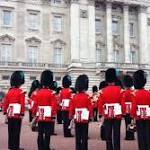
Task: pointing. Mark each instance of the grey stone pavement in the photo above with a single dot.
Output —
(28, 138)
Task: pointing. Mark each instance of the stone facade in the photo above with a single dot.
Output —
(73, 37)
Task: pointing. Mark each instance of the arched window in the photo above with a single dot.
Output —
(6, 46)
(33, 45)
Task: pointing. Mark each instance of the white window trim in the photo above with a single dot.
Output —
(33, 12)
(28, 47)
(12, 17)
(62, 23)
(132, 36)
(98, 18)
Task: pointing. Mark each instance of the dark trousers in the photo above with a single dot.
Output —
(44, 132)
(59, 116)
(143, 133)
(81, 131)
(95, 111)
(66, 123)
(129, 135)
(14, 127)
(112, 131)
(30, 116)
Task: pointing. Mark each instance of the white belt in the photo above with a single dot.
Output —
(143, 111)
(81, 114)
(13, 109)
(44, 111)
(115, 109)
(128, 107)
(65, 102)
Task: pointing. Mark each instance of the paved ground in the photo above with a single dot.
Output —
(28, 138)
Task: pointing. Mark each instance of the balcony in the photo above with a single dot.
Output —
(33, 66)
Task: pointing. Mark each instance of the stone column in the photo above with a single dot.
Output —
(143, 42)
(74, 27)
(91, 37)
(126, 33)
(109, 32)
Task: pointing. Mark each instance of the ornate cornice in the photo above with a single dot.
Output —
(7, 37)
(58, 41)
(33, 40)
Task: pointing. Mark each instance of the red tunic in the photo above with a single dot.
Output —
(14, 96)
(110, 95)
(80, 100)
(139, 97)
(45, 97)
(94, 100)
(127, 96)
(31, 99)
(65, 93)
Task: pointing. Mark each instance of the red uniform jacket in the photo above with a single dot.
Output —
(94, 100)
(139, 97)
(108, 95)
(31, 99)
(45, 97)
(127, 97)
(65, 93)
(14, 95)
(80, 100)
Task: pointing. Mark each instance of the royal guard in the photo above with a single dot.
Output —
(65, 98)
(59, 111)
(81, 112)
(111, 107)
(141, 110)
(128, 83)
(45, 109)
(35, 86)
(94, 100)
(14, 108)
(54, 88)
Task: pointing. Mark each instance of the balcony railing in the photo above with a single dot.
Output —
(32, 65)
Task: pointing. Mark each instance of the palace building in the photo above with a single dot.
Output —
(73, 37)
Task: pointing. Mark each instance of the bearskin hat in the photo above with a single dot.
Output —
(139, 79)
(127, 81)
(94, 89)
(66, 82)
(102, 85)
(82, 83)
(110, 75)
(47, 78)
(73, 90)
(54, 85)
(17, 78)
(35, 85)
(118, 82)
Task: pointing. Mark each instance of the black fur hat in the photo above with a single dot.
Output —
(54, 85)
(66, 82)
(127, 81)
(102, 85)
(94, 89)
(17, 78)
(47, 78)
(82, 83)
(35, 85)
(110, 75)
(139, 79)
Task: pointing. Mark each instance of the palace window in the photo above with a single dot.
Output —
(57, 23)
(5, 52)
(7, 18)
(33, 20)
(33, 54)
(132, 32)
(115, 27)
(116, 55)
(98, 25)
(58, 55)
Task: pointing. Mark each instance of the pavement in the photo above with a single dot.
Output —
(29, 139)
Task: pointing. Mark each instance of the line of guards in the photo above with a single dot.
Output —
(112, 103)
